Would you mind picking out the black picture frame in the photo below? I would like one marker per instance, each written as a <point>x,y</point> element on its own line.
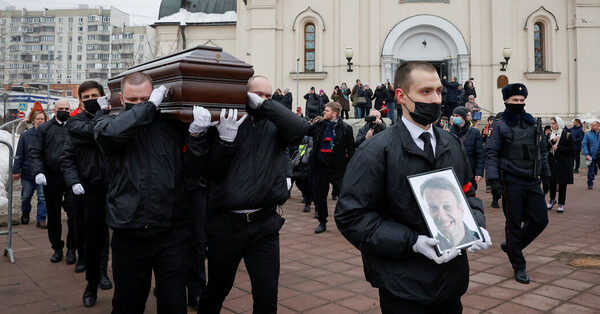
<point>445,179</point>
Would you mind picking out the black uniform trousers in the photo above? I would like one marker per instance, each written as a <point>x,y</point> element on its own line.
<point>391,304</point>
<point>96,235</point>
<point>232,238</point>
<point>304,184</point>
<point>79,224</point>
<point>322,176</point>
<point>526,216</point>
<point>196,279</point>
<point>57,195</point>
<point>138,252</point>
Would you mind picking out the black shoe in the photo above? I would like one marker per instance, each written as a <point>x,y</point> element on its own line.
<point>154,292</point>
<point>334,198</point>
<point>306,208</point>
<point>105,283</point>
<point>303,199</point>
<point>495,203</point>
<point>42,225</point>
<point>590,187</point>
<point>71,257</point>
<point>25,218</point>
<point>504,247</point>
<point>576,171</point>
<point>521,276</point>
<point>90,295</point>
<point>80,266</point>
<point>57,256</point>
<point>193,301</point>
<point>320,228</point>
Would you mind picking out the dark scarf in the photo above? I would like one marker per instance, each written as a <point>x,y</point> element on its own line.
<point>460,131</point>
<point>512,119</point>
<point>327,143</point>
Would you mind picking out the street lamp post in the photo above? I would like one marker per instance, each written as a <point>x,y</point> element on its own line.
<point>297,81</point>
<point>506,53</point>
<point>349,53</point>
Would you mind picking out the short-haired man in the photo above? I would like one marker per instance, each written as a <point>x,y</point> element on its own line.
<point>84,172</point>
<point>145,201</point>
<point>242,203</point>
<point>577,135</point>
<point>516,164</point>
<point>591,144</point>
<point>46,152</point>
<point>333,142</point>
<point>378,214</point>
<point>447,211</point>
<point>374,124</point>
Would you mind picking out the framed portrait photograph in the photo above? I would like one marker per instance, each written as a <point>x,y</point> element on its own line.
<point>445,209</point>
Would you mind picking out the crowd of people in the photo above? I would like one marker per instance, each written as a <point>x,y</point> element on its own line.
<point>175,195</point>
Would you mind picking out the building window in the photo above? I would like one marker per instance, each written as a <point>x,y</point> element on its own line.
<point>309,47</point>
<point>539,47</point>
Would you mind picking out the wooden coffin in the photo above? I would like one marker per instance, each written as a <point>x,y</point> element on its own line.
<point>200,76</point>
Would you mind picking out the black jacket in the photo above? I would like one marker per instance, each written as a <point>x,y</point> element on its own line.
<point>287,100</point>
<point>343,145</point>
<point>256,175</point>
<point>451,90</point>
<point>22,164</point>
<point>473,146</point>
<point>313,105</point>
<point>145,173</point>
<point>560,161</point>
<point>47,148</point>
<point>82,161</point>
<point>362,132</point>
<point>377,212</point>
<point>368,94</point>
<point>379,96</point>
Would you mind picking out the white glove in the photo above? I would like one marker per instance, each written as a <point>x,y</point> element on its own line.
<point>228,127</point>
<point>254,101</point>
<point>157,95</point>
<point>481,245</point>
<point>103,102</point>
<point>78,189</point>
<point>40,178</point>
<point>288,181</point>
<point>425,245</point>
<point>201,120</point>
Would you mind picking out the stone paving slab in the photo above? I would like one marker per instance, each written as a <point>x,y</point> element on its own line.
<point>323,273</point>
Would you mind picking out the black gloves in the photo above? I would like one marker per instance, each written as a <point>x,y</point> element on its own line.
<point>497,188</point>
<point>546,184</point>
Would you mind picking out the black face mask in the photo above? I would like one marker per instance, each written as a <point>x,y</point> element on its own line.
<point>91,106</point>
<point>129,105</point>
<point>515,108</point>
<point>62,116</point>
<point>425,113</point>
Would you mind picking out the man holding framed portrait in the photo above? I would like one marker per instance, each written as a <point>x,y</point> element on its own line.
<point>378,213</point>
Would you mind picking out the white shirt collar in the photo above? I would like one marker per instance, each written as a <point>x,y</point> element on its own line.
<point>416,131</point>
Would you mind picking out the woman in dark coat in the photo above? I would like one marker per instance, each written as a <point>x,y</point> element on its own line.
<point>368,94</point>
<point>560,160</point>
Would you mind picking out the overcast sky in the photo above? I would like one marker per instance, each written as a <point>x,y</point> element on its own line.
<point>141,12</point>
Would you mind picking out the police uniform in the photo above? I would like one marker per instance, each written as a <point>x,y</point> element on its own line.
<point>515,166</point>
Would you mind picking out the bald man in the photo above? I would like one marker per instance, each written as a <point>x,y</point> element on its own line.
<point>46,152</point>
<point>244,222</point>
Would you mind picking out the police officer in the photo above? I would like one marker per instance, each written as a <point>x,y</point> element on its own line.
<point>515,166</point>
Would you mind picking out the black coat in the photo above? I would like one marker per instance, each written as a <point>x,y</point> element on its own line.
<point>82,161</point>
<point>47,148</point>
<point>144,163</point>
<point>22,164</point>
<point>379,215</point>
<point>287,100</point>
<point>472,143</point>
<point>343,145</point>
<point>576,137</point>
<point>362,132</point>
<point>313,105</point>
<point>368,94</point>
<point>379,96</point>
<point>451,90</point>
<point>256,175</point>
<point>561,160</point>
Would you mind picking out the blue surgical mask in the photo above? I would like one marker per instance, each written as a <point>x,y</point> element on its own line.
<point>457,120</point>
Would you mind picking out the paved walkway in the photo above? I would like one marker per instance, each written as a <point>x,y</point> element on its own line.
<point>323,273</point>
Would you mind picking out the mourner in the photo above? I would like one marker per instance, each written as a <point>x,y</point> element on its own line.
<point>334,146</point>
<point>83,167</point>
<point>378,213</point>
<point>515,167</point>
<point>244,223</point>
<point>46,152</point>
<point>560,161</point>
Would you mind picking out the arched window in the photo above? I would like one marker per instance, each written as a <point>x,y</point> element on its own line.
<point>539,47</point>
<point>309,47</point>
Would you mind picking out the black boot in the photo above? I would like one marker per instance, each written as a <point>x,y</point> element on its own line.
<point>306,208</point>
<point>105,283</point>
<point>495,203</point>
<point>321,227</point>
<point>90,295</point>
<point>80,266</point>
<point>57,256</point>
<point>25,218</point>
<point>71,257</point>
<point>521,276</point>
